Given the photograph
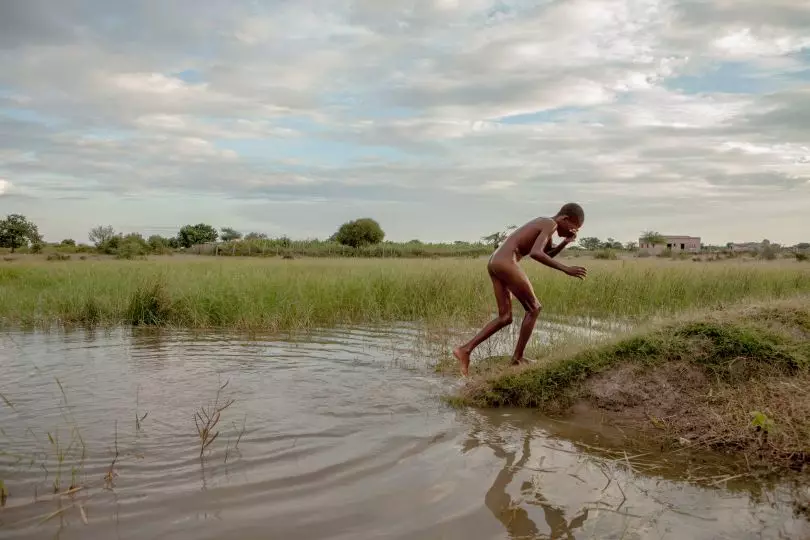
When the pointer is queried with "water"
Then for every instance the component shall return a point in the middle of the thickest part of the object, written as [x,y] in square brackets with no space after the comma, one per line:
[344,437]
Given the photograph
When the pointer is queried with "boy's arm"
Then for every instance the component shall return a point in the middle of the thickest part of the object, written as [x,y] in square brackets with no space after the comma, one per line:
[539,253]
[552,251]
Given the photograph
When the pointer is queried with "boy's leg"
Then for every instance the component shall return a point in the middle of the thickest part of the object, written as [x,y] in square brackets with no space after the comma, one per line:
[519,285]
[504,318]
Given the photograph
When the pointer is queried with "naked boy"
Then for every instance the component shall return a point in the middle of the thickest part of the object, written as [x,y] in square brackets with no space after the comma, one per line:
[532,239]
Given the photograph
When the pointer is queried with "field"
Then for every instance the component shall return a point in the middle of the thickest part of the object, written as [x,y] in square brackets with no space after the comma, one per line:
[284,295]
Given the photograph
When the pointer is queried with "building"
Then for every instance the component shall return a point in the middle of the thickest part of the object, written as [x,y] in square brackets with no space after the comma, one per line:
[689,244]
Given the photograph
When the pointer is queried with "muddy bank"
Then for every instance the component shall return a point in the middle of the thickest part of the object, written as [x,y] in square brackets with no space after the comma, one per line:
[735,381]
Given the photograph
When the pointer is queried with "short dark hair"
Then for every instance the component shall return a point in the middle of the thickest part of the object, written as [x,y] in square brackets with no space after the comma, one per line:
[573,210]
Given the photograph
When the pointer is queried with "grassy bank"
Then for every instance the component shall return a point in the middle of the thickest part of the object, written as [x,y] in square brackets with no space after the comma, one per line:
[734,380]
[277,294]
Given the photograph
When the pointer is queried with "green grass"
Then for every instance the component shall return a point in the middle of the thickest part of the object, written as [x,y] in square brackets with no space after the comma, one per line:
[273,294]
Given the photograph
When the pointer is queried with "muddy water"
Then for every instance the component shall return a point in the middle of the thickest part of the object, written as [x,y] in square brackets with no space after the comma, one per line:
[344,437]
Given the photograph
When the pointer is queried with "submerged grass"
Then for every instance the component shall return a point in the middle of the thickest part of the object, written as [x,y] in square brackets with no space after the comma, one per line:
[288,295]
[732,380]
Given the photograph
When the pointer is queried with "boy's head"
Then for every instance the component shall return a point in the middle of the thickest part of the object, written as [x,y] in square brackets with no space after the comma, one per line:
[569,219]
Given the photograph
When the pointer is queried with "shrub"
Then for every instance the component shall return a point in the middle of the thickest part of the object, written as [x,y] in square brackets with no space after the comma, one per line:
[360,232]
[606,254]
[801,256]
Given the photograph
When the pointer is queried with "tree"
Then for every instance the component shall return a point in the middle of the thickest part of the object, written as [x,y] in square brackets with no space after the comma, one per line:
[590,243]
[16,232]
[803,245]
[255,236]
[360,232]
[68,242]
[653,238]
[229,234]
[496,239]
[200,233]
[101,235]
[158,244]
[630,246]
[131,246]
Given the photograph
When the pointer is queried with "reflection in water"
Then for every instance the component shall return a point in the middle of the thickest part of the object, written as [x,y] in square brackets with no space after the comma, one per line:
[344,437]
[510,513]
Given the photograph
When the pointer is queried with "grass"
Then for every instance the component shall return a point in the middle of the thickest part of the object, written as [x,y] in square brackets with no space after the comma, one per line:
[273,294]
[735,380]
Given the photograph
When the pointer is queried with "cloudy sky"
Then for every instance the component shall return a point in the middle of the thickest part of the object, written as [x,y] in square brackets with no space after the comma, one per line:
[442,119]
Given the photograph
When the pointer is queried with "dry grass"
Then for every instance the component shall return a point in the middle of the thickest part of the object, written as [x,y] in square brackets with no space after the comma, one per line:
[735,381]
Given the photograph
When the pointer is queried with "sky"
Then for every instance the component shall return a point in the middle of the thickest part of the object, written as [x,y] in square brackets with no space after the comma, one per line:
[441,119]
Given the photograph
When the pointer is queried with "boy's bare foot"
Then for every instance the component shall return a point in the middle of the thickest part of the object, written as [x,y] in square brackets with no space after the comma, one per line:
[463,358]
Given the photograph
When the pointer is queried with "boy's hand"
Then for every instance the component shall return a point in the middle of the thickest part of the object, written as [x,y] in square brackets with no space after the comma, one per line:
[570,239]
[576,271]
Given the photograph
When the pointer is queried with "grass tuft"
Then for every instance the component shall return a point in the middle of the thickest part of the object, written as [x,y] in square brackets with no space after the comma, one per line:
[149,305]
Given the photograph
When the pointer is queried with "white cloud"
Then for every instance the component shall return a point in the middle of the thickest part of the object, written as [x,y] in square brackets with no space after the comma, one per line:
[353,103]
[5,187]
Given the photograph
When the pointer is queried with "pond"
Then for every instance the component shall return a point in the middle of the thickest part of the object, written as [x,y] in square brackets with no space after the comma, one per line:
[339,434]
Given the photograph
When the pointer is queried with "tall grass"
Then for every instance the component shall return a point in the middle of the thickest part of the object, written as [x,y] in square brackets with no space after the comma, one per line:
[277,294]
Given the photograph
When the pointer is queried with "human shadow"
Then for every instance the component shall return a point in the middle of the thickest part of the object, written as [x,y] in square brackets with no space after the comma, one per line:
[514,517]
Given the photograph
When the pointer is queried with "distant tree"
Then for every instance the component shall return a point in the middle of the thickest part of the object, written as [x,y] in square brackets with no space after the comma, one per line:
[631,246]
[611,243]
[200,233]
[360,232]
[495,239]
[229,234]
[110,245]
[255,236]
[158,244]
[590,243]
[132,246]
[16,232]
[68,242]
[803,245]
[101,235]
[653,238]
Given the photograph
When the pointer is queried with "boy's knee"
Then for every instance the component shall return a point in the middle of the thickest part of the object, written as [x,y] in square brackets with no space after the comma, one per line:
[534,308]
[505,319]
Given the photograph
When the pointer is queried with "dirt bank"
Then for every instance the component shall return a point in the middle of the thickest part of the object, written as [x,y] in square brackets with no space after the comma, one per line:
[735,381]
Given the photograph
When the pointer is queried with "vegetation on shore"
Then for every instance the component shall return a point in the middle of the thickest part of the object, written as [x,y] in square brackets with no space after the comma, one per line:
[275,294]
[734,380]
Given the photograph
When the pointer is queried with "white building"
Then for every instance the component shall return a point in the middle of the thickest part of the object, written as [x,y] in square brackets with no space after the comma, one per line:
[689,244]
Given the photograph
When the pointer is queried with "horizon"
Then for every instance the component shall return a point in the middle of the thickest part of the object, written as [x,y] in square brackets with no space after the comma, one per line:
[443,120]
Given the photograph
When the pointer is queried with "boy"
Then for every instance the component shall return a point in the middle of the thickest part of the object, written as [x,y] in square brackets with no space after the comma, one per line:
[532,239]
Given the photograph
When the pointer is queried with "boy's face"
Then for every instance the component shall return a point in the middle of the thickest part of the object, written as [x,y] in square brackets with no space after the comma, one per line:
[568,226]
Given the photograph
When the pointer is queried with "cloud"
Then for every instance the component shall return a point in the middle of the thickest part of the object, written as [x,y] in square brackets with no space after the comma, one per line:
[647,111]
[5,187]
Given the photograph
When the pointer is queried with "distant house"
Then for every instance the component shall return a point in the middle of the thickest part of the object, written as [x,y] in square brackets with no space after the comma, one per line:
[690,244]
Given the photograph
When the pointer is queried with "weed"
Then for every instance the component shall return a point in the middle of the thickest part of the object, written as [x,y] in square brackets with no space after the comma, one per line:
[207,418]
[606,254]
[3,493]
[149,305]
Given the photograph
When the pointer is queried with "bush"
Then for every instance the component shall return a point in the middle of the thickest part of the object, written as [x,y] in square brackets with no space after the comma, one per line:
[606,254]
[132,246]
[801,256]
[360,232]
[57,257]
[768,253]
